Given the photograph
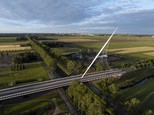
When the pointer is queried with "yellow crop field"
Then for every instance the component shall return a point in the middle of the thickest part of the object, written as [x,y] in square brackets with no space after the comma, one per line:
[13,48]
[149,53]
[133,49]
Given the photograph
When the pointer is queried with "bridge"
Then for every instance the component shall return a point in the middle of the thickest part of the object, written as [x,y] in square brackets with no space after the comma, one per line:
[19,91]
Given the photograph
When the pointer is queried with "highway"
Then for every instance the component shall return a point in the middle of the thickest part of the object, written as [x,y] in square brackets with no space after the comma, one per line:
[54,84]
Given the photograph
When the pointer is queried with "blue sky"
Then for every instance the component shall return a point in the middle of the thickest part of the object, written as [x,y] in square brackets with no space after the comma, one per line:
[77,16]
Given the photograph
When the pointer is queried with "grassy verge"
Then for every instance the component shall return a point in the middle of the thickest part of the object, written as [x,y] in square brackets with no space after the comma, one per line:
[33,72]
[134,77]
[50,103]
[8,39]
[144,93]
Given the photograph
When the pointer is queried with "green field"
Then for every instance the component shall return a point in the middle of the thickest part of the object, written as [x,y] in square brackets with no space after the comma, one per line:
[133,77]
[33,71]
[96,37]
[138,84]
[11,41]
[8,39]
[117,42]
[143,92]
[16,52]
[46,104]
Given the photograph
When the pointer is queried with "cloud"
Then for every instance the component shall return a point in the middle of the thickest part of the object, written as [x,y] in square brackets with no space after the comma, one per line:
[77,16]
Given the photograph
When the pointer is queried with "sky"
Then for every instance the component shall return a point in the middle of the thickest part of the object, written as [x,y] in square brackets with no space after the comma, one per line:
[77,16]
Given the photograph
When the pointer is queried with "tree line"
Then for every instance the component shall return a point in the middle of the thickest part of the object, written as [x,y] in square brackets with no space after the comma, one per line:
[139,64]
[86,101]
[17,67]
[44,54]
[25,57]
[21,38]
[4,54]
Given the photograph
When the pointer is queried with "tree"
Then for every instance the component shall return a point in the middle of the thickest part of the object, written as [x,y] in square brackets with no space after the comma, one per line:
[99,66]
[15,60]
[2,54]
[70,65]
[149,112]
[7,54]
[85,100]
[113,90]
[132,103]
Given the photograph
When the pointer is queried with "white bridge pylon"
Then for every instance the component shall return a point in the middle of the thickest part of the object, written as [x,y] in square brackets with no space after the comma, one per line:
[99,53]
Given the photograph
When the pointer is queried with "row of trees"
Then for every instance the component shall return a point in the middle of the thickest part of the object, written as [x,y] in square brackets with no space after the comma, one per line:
[25,57]
[80,66]
[22,38]
[44,54]
[3,54]
[139,64]
[17,67]
[109,89]
[86,101]
[53,44]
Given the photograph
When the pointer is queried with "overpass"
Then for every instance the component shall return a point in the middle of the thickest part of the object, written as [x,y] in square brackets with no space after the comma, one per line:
[18,91]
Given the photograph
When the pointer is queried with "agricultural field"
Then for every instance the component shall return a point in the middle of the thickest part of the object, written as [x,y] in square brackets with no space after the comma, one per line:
[144,93]
[11,41]
[7,39]
[46,104]
[139,85]
[33,72]
[79,40]
[136,46]
[149,53]
[144,50]
[13,48]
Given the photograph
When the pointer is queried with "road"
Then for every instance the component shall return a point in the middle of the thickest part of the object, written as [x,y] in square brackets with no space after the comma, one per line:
[54,84]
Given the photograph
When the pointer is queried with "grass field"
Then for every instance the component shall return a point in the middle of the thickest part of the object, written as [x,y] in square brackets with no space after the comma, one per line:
[138,84]
[133,49]
[13,43]
[8,39]
[96,37]
[13,48]
[47,104]
[132,45]
[33,71]
[144,93]
[16,52]
[133,77]
[149,53]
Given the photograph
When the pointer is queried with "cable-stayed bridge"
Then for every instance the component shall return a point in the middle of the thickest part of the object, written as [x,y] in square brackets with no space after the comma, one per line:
[19,91]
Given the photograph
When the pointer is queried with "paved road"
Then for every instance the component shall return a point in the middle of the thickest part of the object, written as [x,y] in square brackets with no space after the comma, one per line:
[54,84]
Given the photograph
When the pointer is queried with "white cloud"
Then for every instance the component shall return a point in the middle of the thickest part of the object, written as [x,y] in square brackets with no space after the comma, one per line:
[75,16]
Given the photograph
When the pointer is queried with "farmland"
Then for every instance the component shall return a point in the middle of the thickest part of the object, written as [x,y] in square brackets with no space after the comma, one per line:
[149,53]
[131,45]
[144,92]
[13,48]
[49,103]
[131,52]
[7,39]
[137,85]
[33,72]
